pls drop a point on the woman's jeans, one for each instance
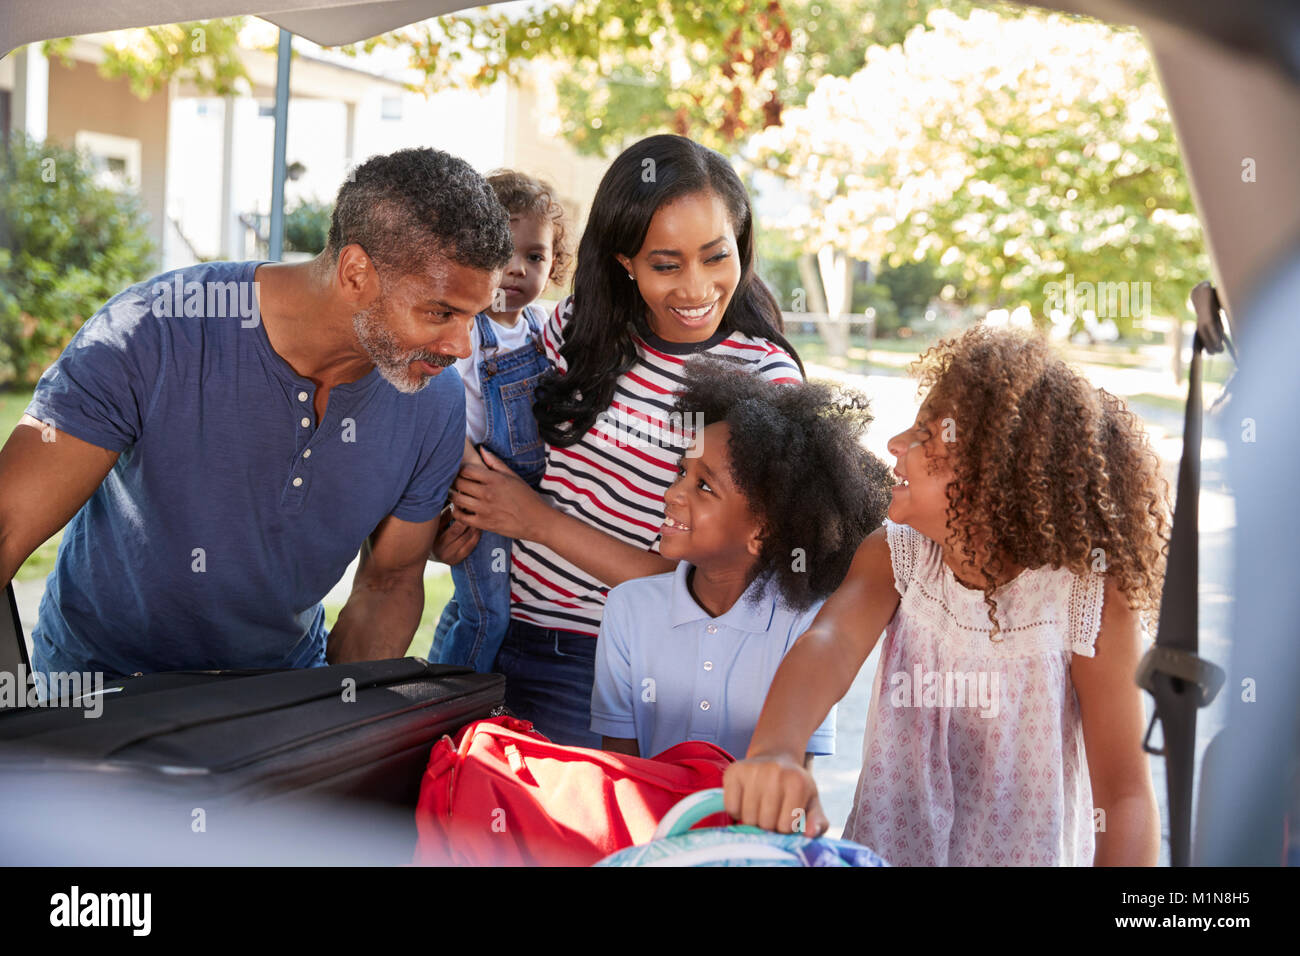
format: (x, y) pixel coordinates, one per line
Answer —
(474, 622)
(549, 677)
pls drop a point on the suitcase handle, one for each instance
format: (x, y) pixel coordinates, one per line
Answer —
(691, 810)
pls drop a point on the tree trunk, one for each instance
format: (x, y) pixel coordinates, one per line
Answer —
(829, 280)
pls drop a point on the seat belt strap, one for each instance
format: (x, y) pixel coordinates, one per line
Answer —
(1179, 680)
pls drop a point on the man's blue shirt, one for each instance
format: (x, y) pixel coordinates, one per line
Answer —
(230, 511)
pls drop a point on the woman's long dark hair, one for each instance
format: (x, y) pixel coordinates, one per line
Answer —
(608, 309)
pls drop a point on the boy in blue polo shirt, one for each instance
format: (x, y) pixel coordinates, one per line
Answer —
(764, 518)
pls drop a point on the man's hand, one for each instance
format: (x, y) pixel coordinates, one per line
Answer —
(45, 476)
(775, 793)
(387, 598)
(454, 540)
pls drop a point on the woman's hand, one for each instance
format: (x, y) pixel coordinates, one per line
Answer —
(491, 497)
(775, 793)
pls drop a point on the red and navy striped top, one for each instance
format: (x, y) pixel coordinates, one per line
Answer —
(615, 476)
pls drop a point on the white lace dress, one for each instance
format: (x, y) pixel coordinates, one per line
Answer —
(973, 754)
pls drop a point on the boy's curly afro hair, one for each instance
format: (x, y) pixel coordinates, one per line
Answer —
(1049, 470)
(796, 456)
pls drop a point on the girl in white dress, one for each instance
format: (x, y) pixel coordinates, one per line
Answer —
(1026, 535)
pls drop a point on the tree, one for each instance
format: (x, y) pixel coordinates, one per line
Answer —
(715, 70)
(1021, 152)
(204, 53)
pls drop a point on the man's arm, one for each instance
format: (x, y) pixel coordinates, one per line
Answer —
(45, 476)
(387, 598)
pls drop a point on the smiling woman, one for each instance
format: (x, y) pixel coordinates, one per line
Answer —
(685, 289)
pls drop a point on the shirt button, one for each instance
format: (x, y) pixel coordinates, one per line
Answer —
(297, 482)
(712, 629)
(302, 396)
(306, 423)
(708, 665)
(704, 705)
(307, 453)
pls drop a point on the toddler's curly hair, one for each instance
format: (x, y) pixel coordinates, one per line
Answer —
(796, 456)
(522, 195)
(1049, 470)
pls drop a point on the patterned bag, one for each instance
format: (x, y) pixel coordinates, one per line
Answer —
(676, 844)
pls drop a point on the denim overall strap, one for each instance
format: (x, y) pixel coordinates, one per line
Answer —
(507, 381)
(534, 324)
(487, 339)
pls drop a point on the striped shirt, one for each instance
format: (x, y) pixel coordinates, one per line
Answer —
(615, 476)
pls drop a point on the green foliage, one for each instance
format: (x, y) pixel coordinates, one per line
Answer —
(1028, 156)
(777, 264)
(67, 245)
(714, 70)
(307, 226)
(911, 285)
(877, 297)
(202, 53)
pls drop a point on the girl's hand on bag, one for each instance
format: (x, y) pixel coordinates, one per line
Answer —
(775, 793)
(491, 497)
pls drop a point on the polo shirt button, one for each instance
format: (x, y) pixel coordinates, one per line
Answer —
(297, 482)
(704, 705)
(306, 423)
(708, 665)
(712, 629)
(307, 453)
(302, 396)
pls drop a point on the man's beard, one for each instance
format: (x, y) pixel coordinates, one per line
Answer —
(393, 364)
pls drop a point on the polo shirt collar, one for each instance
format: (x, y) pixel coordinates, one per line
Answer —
(742, 616)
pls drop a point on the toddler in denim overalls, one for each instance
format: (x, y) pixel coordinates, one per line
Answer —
(503, 370)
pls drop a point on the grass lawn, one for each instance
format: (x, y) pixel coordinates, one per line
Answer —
(437, 591)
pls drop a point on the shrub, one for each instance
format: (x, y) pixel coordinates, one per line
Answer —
(67, 245)
(307, 226)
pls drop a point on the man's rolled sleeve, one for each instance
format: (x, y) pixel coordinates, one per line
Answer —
(612, 693)
(425, 496)
(103, 386)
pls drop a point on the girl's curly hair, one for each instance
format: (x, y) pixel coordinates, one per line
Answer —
(522, 195)
(1049, 470)
(796, 456)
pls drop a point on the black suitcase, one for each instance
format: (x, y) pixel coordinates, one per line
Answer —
(329, 735)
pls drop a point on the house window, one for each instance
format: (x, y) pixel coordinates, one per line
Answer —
(391, 108)
(116, 159)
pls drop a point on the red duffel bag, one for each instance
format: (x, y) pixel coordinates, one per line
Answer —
(504, 795)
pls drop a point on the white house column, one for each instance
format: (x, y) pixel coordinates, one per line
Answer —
(350, 136)
(31, 94)
(232, 231)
